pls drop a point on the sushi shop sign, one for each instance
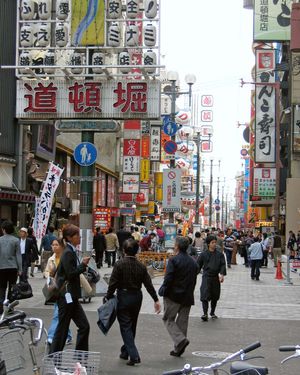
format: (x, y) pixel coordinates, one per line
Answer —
(118, 99)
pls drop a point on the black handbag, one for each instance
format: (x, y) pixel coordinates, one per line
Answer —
(22, 290)
(2, 368)
(92, 276)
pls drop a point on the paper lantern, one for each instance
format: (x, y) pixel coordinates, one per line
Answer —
(132, 35)
(150, 7)
(62, 9)
(24, 60)
(98, 59)
(27, 9)
(26, 35)
(150, 59)
(124, 59)
(114, 9)
(149, 35)
(183, 117)
(61, 34)
(132, 8)
(76, 59)
(49, 60)
(114, 38)
(44, 9)
(42, 35)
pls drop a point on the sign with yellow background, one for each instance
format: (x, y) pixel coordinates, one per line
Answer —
(145, 169)
(87, 22)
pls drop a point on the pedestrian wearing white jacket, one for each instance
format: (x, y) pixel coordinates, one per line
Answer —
(256, 255)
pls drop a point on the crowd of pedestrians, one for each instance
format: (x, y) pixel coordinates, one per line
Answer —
(209, 252)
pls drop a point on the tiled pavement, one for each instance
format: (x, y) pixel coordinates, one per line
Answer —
(241, 297)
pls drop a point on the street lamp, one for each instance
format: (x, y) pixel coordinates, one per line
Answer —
(190, 79)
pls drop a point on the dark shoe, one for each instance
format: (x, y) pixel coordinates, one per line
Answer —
(204, 317)
(257, 279)
(252, 278)
(181, 347)
(133, 362)
(229, 265)
(173, 353)
(213, 316)
(123, 356)
(31, 274)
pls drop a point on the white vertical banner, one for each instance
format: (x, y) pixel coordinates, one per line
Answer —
(36, 215)
(172, 190)
(155, 143)
(265, 107)
(46, 198)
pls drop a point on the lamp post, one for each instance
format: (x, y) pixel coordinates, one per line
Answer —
(190, 80)
(198, 143)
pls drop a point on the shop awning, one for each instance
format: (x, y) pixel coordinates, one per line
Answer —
(16, 197)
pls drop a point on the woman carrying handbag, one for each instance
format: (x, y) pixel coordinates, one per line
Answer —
(58, 246)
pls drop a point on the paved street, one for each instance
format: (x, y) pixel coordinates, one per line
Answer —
(248, 311)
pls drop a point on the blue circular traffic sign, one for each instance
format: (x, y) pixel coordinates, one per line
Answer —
(170, 147)
(217, 201)
(85, 154)
(170, 128)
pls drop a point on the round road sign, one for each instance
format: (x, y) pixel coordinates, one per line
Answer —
(85, 154)
(217, 208)
(170, 128)
(170, 147)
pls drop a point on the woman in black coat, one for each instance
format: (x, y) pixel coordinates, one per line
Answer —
(214, 269)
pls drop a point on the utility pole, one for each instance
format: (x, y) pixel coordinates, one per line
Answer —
(218, 197)
(197, 180)
(210, 192)
(222, 207)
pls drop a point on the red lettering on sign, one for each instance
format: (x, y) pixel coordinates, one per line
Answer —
(85, 97)
(133, 98)
(42, 99)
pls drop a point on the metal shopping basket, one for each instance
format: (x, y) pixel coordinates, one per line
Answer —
(12, 349)
(66, 363)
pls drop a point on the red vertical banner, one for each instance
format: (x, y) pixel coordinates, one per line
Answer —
(145, 147)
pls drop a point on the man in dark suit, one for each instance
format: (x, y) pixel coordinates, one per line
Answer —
(178, 292)
(68, 284)
(28, 252)
(122, 235)
(99, 245)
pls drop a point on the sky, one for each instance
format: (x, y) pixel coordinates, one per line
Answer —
(213, 40)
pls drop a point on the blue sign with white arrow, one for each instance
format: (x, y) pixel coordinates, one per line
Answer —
(85, 154)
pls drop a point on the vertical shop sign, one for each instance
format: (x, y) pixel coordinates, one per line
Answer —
(102, 218)
(155, 143)
(264, 183)
(172, 190)
(272, 20)
(145, 169)
(265, 111)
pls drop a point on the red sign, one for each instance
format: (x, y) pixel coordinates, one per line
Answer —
(132, 125)
(102, 218)
(114, 212)
(125, 197)
(170, 147)
(131, 147)
(140, 197)
(145, 146)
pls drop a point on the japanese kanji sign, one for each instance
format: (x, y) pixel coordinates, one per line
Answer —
(131, 164)
(82, 99)
(295, 78)
(45, 202)
(131, 147)
(264, 182)
(155, 143)
(265, 111)
(172, 190)
(131, 183)
(272, 20)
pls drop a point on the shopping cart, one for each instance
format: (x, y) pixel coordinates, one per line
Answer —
(71, 362)
(12, 349)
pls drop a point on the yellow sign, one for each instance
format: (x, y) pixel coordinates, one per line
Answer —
(158, 178)
(264, 224)
(87, 23)
(151, 208)
(159, 194)
(145, 169)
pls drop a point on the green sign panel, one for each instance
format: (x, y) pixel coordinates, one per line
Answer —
(86, 125)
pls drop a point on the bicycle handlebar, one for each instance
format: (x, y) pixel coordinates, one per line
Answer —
(17, 315)
(188, 369)
(251, 347)
(289, 348)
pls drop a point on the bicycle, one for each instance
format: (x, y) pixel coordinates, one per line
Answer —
(14, 324)
(238, 367)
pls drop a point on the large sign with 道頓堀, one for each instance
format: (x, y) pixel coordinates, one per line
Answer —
(88, 99)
